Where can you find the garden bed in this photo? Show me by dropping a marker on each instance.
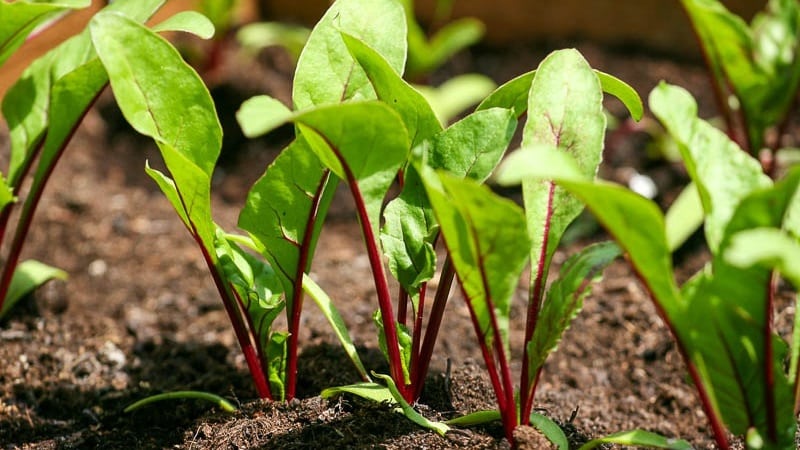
(140, 315)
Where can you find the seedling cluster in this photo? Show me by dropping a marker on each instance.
(360, 124)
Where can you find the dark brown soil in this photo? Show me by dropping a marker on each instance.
(139, 314)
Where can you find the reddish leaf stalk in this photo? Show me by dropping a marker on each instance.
(243, 334)
(16, 185)
(528, 388)
(295, 308)
(720, 95)
(434, 323)
(378, 275)
(402, 306)
(717, 427)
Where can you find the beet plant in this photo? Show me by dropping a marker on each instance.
(722, 318)
(755, 69)
(42, 110)
(369, 144)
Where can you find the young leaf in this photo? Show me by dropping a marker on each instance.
(151, 82)
(473, 146)
(684, 216)
(261, 114)
(565, 299)
(180, 395)
(20, 18)
(28, 276)
(417, 115)
(565, 111)
(408, 234)
(635, 222)
(284, 211)
(189, 22)
(722, 173)
(403, 341)
(276, 352)
(326, 73)
(364, 144)
(486, 239)
(408, 411)
(551, 430)
(139, 64)
(768, 247)
(514, 94)
(638, 438)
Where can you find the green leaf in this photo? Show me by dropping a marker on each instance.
(369, 390)
(325, 305)
(386, 394)
(20, 18)
(635, 222)
(162, 97)
(276, 350)
(261, 114)
(408, 235)
(403, 341)
(767, 247)
(565, 299)
(284, 212)
(730, 345)
(684, 216)
(417, 115)
(408, 411)
(723, 173)
(28, 276)
(759, 62)
(425, 55)
(639, 438)
(189, 22)
(476, 418)
(473, 146)
(34, 102)
(364, 143)
(551, 430)
(514, 94)
(455, 95)
(181, 395)
(6, 193)
(486, 240)
(156, 90)
(565, 111)
(326, 73)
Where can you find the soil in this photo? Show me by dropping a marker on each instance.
(139, 314)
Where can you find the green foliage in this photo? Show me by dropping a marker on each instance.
(22, 17)
(720, 317)
(756, 64)
(42, 110)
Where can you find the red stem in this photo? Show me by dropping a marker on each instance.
(717, 427)
(402, 306)
(416, 339)
(527, 388)
(379, 277)
(434, 322)
(295, 308)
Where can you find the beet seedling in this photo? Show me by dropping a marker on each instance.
(755, 70)
(42, 110)
(721, 319)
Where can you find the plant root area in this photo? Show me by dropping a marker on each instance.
(139, 314)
